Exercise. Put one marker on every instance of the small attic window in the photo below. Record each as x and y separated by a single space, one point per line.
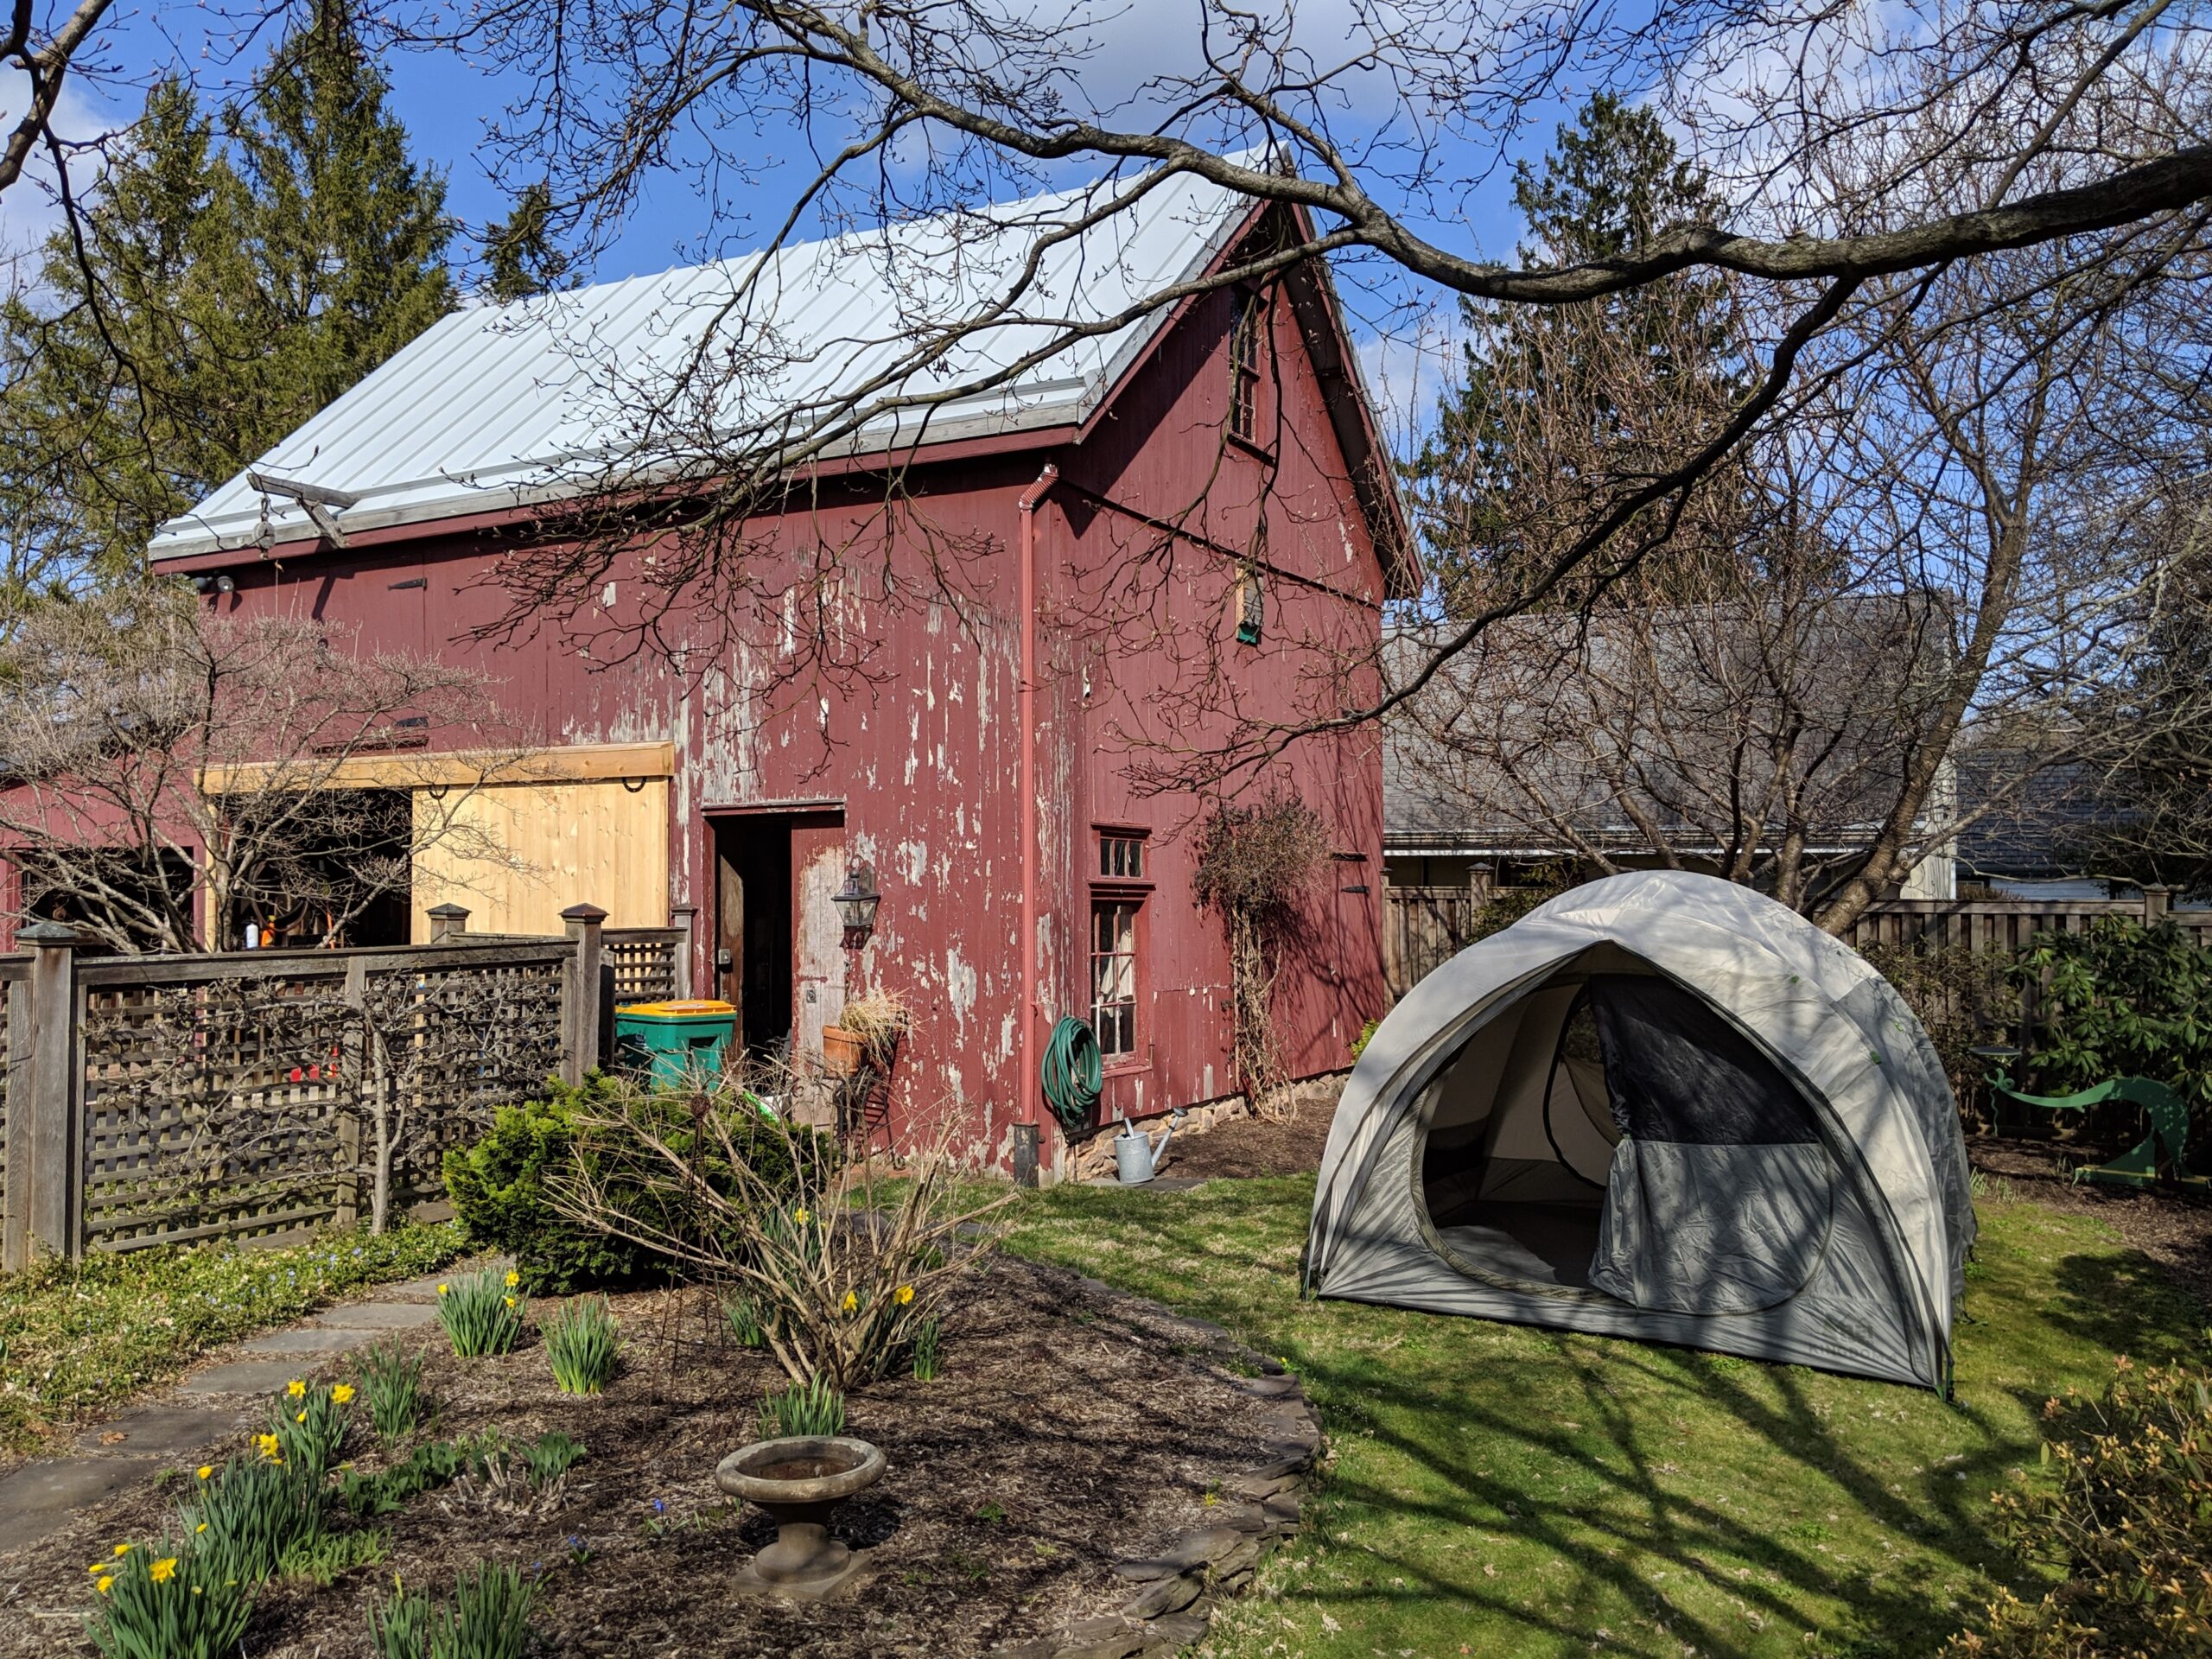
1244 365
1250 605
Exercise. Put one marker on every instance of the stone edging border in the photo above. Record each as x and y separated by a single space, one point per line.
1175 1592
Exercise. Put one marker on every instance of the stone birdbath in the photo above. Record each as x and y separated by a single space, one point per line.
798 1482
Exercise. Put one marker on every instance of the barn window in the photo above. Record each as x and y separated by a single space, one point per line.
1120 856
1250 606
1114 976
1244 366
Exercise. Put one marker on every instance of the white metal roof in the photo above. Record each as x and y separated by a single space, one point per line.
497 405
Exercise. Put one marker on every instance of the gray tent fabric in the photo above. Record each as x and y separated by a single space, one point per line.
1660 1106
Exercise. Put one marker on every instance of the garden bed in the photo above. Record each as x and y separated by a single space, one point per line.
1071 1427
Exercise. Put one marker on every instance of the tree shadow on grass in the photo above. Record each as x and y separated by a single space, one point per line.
1515 1454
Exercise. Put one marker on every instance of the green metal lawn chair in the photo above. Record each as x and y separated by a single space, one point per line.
2160 1159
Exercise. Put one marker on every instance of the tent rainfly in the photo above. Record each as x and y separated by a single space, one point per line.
1660 1106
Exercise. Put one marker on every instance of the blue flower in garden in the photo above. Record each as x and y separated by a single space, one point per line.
660 1506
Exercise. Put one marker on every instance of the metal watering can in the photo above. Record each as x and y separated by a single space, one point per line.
1136 1157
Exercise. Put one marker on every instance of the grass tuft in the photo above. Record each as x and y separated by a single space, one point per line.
804 1409
391 1388
481 1312
584 1343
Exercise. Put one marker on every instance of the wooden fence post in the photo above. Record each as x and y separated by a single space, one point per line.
2156 898
16 1179
446 920
581 993
685 917
52 1121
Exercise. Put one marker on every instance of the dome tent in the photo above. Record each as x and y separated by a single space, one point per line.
1660 1106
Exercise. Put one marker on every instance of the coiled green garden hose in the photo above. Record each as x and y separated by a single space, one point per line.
1070 1073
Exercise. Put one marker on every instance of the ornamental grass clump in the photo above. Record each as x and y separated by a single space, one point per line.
803 1409
927 1335
2119 1508
172 1599
583 1344
831 1270
399 1623
250 1513
391 1389
482 1314
489 1618
745 1322
310 1427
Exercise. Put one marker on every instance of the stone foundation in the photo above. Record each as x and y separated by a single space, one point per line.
1093 1159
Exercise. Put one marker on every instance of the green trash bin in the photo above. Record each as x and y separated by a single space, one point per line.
665 1043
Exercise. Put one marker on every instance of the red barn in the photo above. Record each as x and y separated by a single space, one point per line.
964 660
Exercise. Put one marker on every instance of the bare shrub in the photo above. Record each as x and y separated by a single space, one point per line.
840 1267
1254 863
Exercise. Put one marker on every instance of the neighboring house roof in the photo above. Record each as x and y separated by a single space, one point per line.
1538 738
2048 819
495 407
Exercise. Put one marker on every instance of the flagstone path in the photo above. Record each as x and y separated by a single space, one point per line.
187 1423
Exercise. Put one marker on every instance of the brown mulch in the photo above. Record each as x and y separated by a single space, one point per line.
1254 1146
1071 1428
2174 1232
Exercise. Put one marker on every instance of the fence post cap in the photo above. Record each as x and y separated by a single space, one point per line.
50 936
583 913
683 912
447 911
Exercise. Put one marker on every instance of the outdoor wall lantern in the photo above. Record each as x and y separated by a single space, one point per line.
857 901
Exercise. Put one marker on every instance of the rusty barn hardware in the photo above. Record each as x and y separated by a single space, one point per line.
154 1100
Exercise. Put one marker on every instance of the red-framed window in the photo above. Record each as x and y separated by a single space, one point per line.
1118 891
1113 932
1120 856
1244 334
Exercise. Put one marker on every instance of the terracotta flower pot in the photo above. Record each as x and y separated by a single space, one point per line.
841 1051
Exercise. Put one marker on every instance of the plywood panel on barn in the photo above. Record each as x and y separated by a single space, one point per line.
550 845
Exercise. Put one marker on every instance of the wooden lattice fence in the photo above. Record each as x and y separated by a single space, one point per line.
151 1100
652 965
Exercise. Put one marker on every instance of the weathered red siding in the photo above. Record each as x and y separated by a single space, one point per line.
916 736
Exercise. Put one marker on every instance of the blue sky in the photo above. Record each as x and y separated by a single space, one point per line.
445 102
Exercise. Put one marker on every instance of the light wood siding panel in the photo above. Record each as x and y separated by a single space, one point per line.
595 843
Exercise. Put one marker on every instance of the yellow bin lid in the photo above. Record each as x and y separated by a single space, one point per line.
696 1008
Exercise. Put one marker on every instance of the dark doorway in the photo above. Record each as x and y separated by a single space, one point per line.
753 927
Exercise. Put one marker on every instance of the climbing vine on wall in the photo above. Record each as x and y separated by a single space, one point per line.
1253 861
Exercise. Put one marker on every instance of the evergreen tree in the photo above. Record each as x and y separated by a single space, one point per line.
1559 404
238 272
521 257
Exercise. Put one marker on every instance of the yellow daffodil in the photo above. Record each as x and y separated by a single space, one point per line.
906 1295
510 1301
203 1526
300 1418
800 1215
106 1584
513 1278
267 1445
342 1395
851 1301
296 1389
207 1471
163 1570
97 1566
443 1289
123 1549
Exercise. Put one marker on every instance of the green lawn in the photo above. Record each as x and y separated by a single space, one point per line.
1497 1490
